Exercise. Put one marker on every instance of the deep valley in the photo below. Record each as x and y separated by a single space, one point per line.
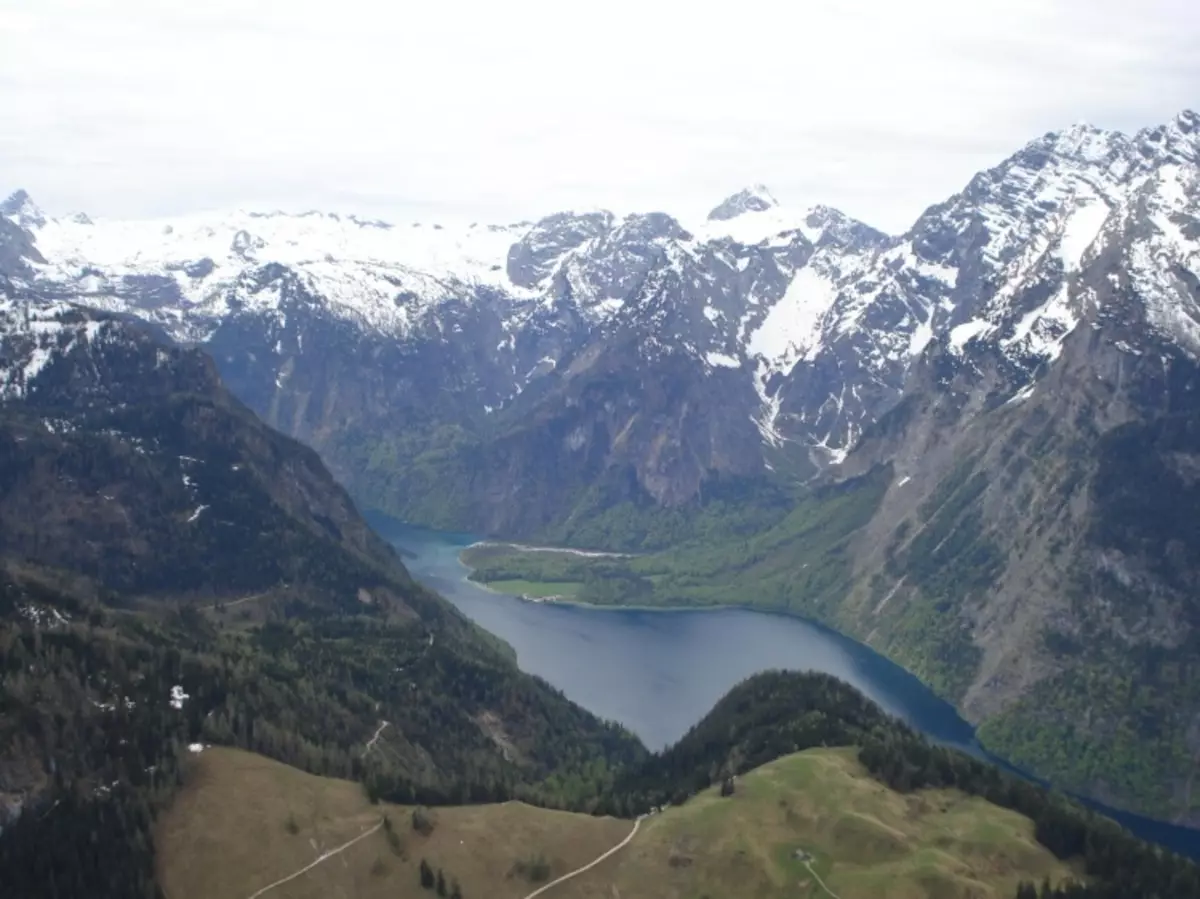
973 447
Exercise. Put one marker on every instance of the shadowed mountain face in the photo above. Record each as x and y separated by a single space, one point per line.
173 571
124 459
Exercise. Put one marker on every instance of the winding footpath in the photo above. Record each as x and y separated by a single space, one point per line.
375 739
326 855
820 881
237 602
366 833
617 848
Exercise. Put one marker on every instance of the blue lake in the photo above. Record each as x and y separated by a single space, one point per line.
659 672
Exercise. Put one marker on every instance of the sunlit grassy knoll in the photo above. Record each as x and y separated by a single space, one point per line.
866 841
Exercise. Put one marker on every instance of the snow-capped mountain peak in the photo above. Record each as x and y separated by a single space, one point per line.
20 209
755 198
820 314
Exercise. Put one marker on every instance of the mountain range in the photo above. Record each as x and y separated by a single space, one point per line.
526 363
1022 362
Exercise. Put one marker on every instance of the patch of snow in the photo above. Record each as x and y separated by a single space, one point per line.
920 338
1080 232
1021 395
837 455
752 227
196 514
1041 331
792 327
196 747
45 617
720 360
178 697
961 335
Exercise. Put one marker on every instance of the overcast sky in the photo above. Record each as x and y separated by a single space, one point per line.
510 110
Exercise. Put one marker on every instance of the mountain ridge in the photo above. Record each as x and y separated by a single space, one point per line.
821 315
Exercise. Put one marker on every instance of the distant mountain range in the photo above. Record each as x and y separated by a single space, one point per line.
652 354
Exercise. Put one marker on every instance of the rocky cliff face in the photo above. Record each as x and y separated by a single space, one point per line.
1036 556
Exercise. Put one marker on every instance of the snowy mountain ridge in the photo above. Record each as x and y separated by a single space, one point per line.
821 314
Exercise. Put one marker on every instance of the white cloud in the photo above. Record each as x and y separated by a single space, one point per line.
131 107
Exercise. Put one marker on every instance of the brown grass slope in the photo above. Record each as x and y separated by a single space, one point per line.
244 822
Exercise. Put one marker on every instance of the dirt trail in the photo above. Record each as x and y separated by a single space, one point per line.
237 602
621 845
327 855
820 881
375 739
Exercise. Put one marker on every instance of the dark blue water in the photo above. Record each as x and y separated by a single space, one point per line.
659 672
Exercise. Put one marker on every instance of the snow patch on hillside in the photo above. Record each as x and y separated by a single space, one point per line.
721 360
33 335
961 335
1081 230
792 328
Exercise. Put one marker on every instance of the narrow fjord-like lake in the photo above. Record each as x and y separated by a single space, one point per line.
659 672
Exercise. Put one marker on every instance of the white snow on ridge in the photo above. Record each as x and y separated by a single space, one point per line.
373 272
1156 260
755 227
43 616
461 250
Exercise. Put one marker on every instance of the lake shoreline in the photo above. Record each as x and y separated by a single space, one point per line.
974 747
565 550
659 674
633 607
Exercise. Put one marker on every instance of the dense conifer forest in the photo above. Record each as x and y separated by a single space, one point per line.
94 696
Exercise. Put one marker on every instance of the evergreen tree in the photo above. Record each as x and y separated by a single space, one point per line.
426 875
441 883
